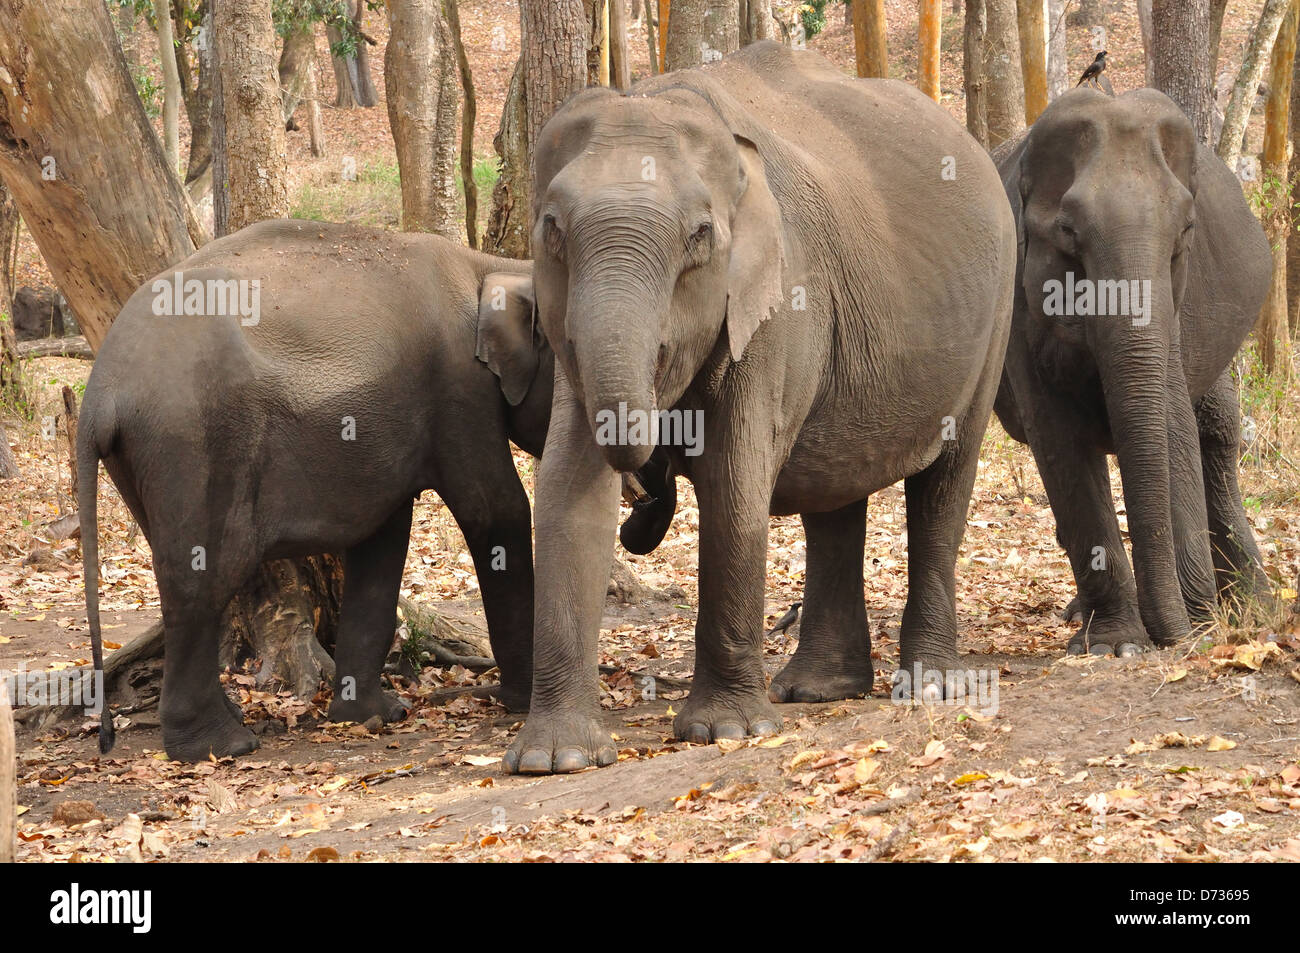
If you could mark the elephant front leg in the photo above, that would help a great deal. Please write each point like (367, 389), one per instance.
(372, 578)
(833, 660)
(729, 691)
(576, 512)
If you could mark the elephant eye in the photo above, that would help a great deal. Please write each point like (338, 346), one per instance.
(700, 243)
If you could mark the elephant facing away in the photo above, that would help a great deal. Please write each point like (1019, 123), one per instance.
(1141, 270)
(375, 366)
(818, 270)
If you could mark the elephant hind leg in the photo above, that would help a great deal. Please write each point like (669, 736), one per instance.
(833, 660)
(1238, 567)
(372, 577)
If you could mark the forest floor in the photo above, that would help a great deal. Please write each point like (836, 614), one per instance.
(1189, 754)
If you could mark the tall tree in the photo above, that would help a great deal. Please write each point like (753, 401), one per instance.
(11, 381)
(973, 79)
(420, 84)
(1005, 102)
(8, 779)
(297, 71)
(171, 84)
(468, 114)
(1181, 50)
(351, 60)
(929, 29)
(1273, 332)
(254, 125)
(871, 52)
(1253, 65)
(1217, 9)
(1033, 56)
(196, 85)
(1293, 176)
(555, 36)
(506, 233)
(756, 21)
(620, 66)
(700, 31)
(105, 219)
(1058, 66)
(1147, 27)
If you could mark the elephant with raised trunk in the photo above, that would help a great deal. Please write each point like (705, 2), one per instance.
(817, 269)
(370, 366)
(1141, 270)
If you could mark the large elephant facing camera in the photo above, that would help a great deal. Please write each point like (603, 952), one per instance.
(1141, 271)
(818, 270)
(351, 369)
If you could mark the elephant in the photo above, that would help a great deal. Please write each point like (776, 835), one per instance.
(1140, 271)
(815, 270)
(288, 390)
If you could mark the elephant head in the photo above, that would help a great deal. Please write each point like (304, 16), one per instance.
(1107, 188)
(654, 231)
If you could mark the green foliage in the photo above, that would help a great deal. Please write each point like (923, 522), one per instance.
(150, 93)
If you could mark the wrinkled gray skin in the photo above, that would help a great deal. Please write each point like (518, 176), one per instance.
(1118, 189)
(676, 231)
(231, 438)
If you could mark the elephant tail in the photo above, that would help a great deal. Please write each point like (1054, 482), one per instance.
(88, 457)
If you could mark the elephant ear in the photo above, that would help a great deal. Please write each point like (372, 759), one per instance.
(757, 253)
(507, 333)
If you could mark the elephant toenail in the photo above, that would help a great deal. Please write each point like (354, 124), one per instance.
(568, 760)
(1128, 649)
(1074, 649)
(606, 756)
(511, 762)
(1099, 649)
(697, 734)
(762, 728)
(535, 761)
(728, 731)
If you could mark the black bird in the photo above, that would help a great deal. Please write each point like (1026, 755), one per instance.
(787, 620)
(1095, 69)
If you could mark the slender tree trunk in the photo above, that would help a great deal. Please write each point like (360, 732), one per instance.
(651, 37)
(1217, 10)
(220, 155)
(977, 123)
(1181, 51)
(104, 219)
(701, 31)
(295, 65)
(1253, 66)
(1272, 332)
(367, 94)
(620, 67)
(196, 90)
(756, 21)
(1147, 28)
(1005, 103)
(468, 116)
(1033, 56)
(665, 14)
(1058, 66)
(171, 85)
(1293, 177)
(345, 72)
(311, 94)
(929, 22)
(1087, 13)
(507, 226)
(869, 45)
(254, 127)
(8, 770)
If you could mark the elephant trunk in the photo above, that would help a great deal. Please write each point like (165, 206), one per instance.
(1133, 351)
(615, 339)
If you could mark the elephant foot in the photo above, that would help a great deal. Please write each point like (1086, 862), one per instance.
(559, 743)
(514, 699)
(1123, 637)
(366, 706)
(198, 739)
(717, 715)
(943, 679)
(809, 679)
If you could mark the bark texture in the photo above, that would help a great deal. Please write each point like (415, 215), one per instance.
(1005, 102)
(1181, 51)
(870, 49)
(702, 31)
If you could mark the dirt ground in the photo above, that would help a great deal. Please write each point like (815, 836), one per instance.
(1190, 754)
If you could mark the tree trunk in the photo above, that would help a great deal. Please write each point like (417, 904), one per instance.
(315, 125)
(929, 23)
(1147, 27)
(196, 90)
(1005, 103)
(651, 38)
(1272, 332)
(254, 129)
(620, 66)
(171, 85)
(421, 90)
(1058, 66)
(1217, 10)
(1087, 13)
(1253, 65)
(555, 38)
(105, 219)
(756, 21)
(702, 31)
(345, 72)
(977, 123)
(220, 155)
(367, 94)
(1033, 56)
(352, 81)
(294, 67)
(665, 14)
(1181, 51)
(870, 50)
(507, 227)
(1293, 176)
(8, 772)
(468, 116)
